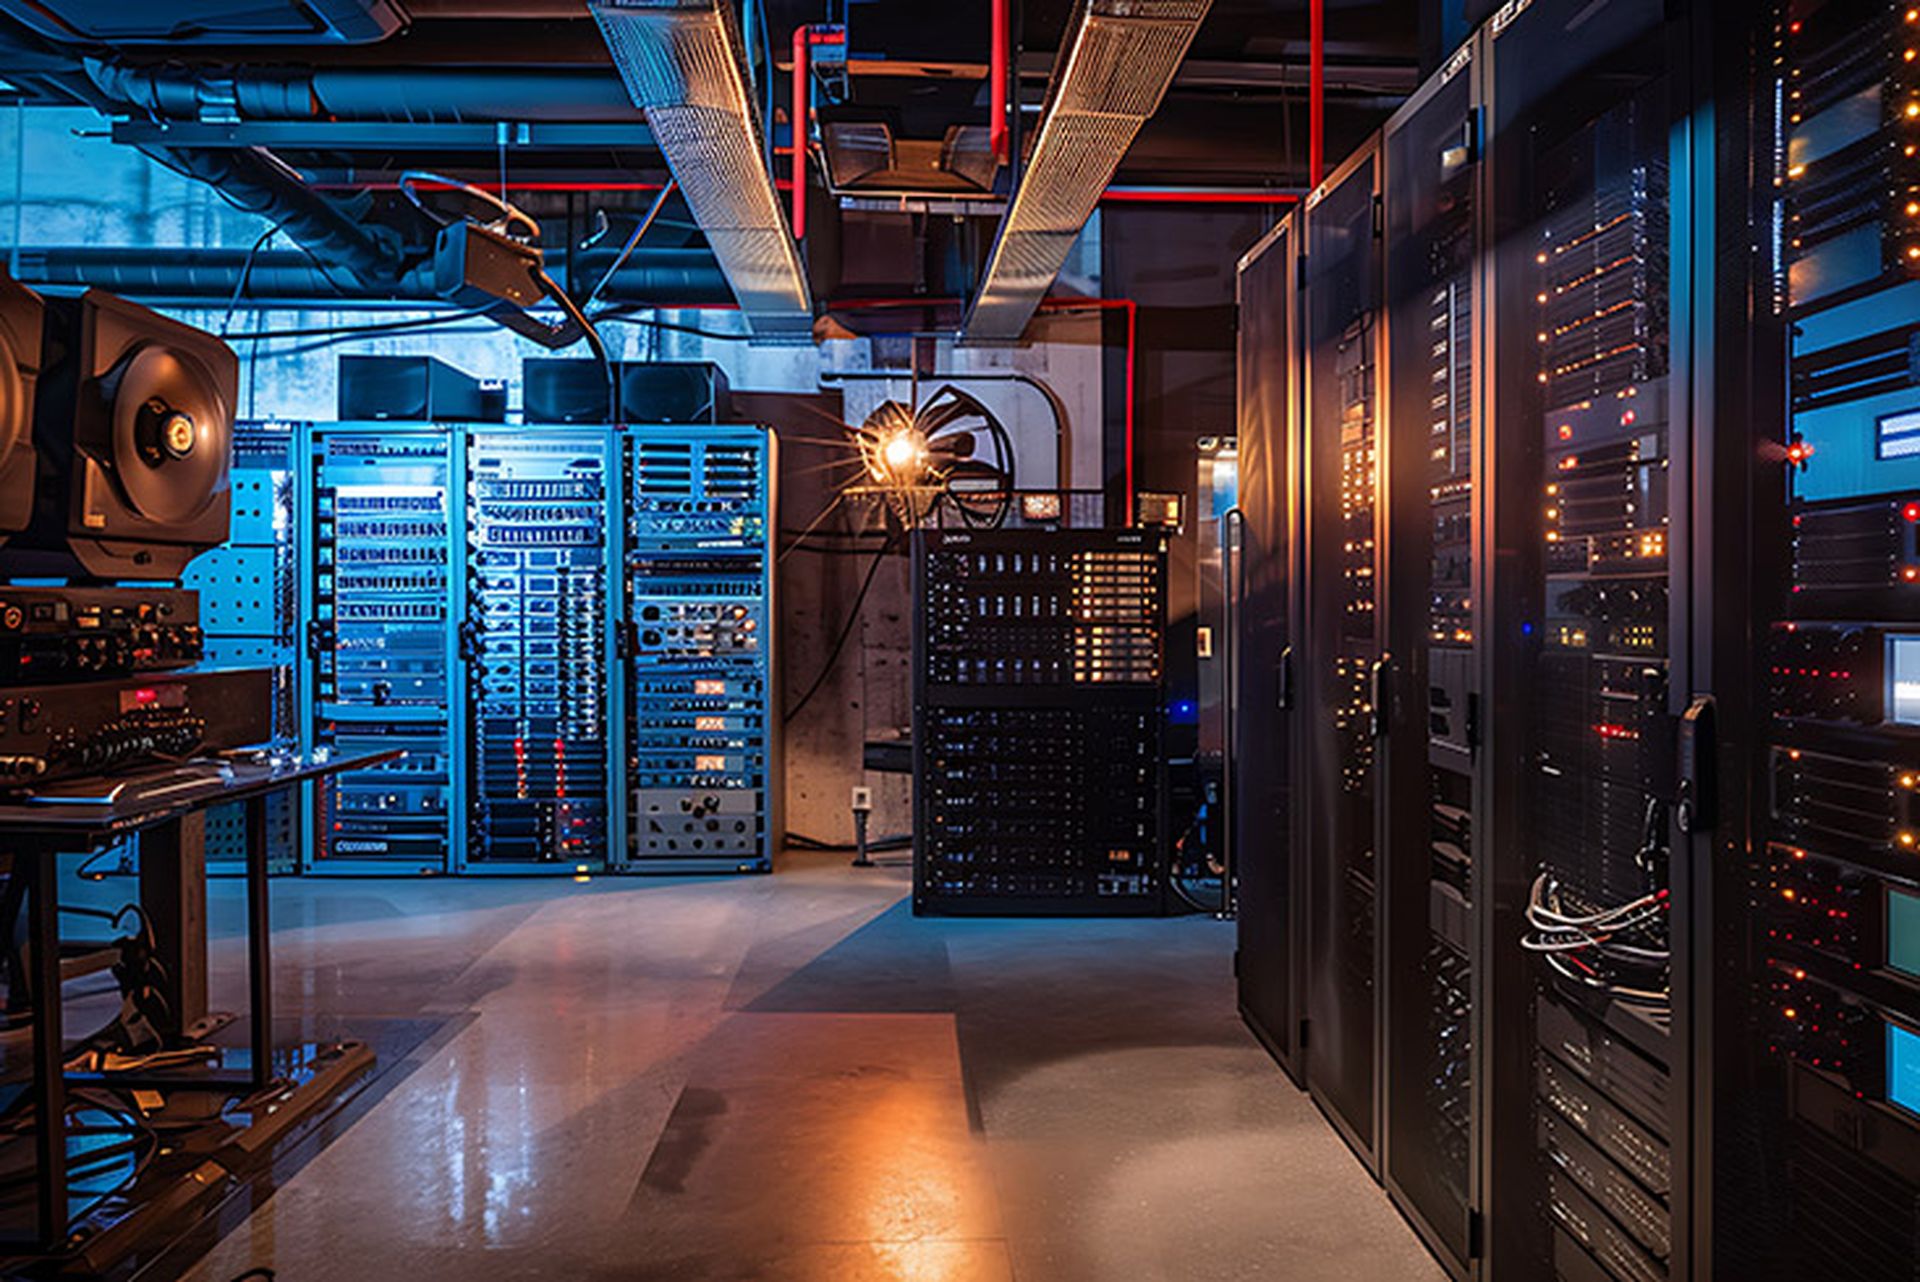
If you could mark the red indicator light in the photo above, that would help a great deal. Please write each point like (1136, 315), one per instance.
(1911, 511)
(1626, 419)
(145, 695)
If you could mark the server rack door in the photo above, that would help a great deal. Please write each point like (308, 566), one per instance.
(380, 658)
(1429, 172)
(1262, 756)
(1346, 664)
(1589, 624)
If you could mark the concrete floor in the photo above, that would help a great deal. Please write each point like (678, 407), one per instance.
(789, 1077)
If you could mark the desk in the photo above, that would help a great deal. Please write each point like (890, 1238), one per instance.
(85, 815)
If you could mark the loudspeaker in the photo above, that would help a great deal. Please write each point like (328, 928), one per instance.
(562, 390)
(408, 389)
(673, 392)
(22, 316)
(133, 425)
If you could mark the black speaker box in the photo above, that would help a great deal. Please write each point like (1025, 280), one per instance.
(409, 389)
(133, 426)
(563, 390)
(673, 392)
(575, 391)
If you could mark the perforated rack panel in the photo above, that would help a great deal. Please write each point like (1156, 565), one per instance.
(701, 728)
(249, 609)
(1039, 770)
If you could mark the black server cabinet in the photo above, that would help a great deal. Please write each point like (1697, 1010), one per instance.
(1039, 722)
(1344, 677)
(1430, 171)
(1830, 1119)
(1591, 480)
(1262, 758)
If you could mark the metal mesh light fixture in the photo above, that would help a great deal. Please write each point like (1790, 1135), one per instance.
(683, 65)
(1113, 70)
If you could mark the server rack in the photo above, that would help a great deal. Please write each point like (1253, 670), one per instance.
(249, 610)
(1430, 919)
(538, 635)
(1262, 794)
(1828, 1115)
(570, 631)
(701, 739)
(1563, 429)
(1345, 676)
(382, 667)
(1593, 671)
(1039, 722)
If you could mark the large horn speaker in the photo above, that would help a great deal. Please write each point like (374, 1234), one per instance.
(134, 429)
(20, 327)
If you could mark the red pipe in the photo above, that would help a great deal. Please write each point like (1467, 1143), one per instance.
(804, 38)
(797, 128)
(997, 81)
(1316, 90)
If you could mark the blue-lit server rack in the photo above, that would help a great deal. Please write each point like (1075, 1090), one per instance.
(381, 647)
(538, 635)
(567, 629)
(250, 610)
(702, 734)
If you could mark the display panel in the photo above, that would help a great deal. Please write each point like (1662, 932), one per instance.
(1903, 931)
(1903, 1068)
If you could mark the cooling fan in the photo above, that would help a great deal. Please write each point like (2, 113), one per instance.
(950, 449)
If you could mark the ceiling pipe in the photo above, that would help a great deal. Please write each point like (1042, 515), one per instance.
(419, 95)
(997, 79)
(649, 277)
(799, 129)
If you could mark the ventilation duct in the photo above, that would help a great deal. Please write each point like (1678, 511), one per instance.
(1113, 70)
(682, 63)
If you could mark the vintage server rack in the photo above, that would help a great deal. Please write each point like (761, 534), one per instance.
(702, 735)
(1039, 722)
(569, 629)
(1518, 434)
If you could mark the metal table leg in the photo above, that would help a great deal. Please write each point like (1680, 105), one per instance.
(259, 941)
(49, 1047)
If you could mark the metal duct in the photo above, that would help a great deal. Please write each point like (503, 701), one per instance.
(423, 95)
(650, 277)
(256, 181)
(1115, 67)
(682, 64)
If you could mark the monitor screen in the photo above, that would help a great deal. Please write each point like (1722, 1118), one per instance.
(1903, 679)
(1903, 1068)
(1903, 932)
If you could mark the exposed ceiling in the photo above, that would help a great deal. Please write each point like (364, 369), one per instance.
(282, 102)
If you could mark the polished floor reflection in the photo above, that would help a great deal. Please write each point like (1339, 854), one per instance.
(789, 1077)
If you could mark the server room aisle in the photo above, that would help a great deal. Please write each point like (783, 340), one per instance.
(788, 1078)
